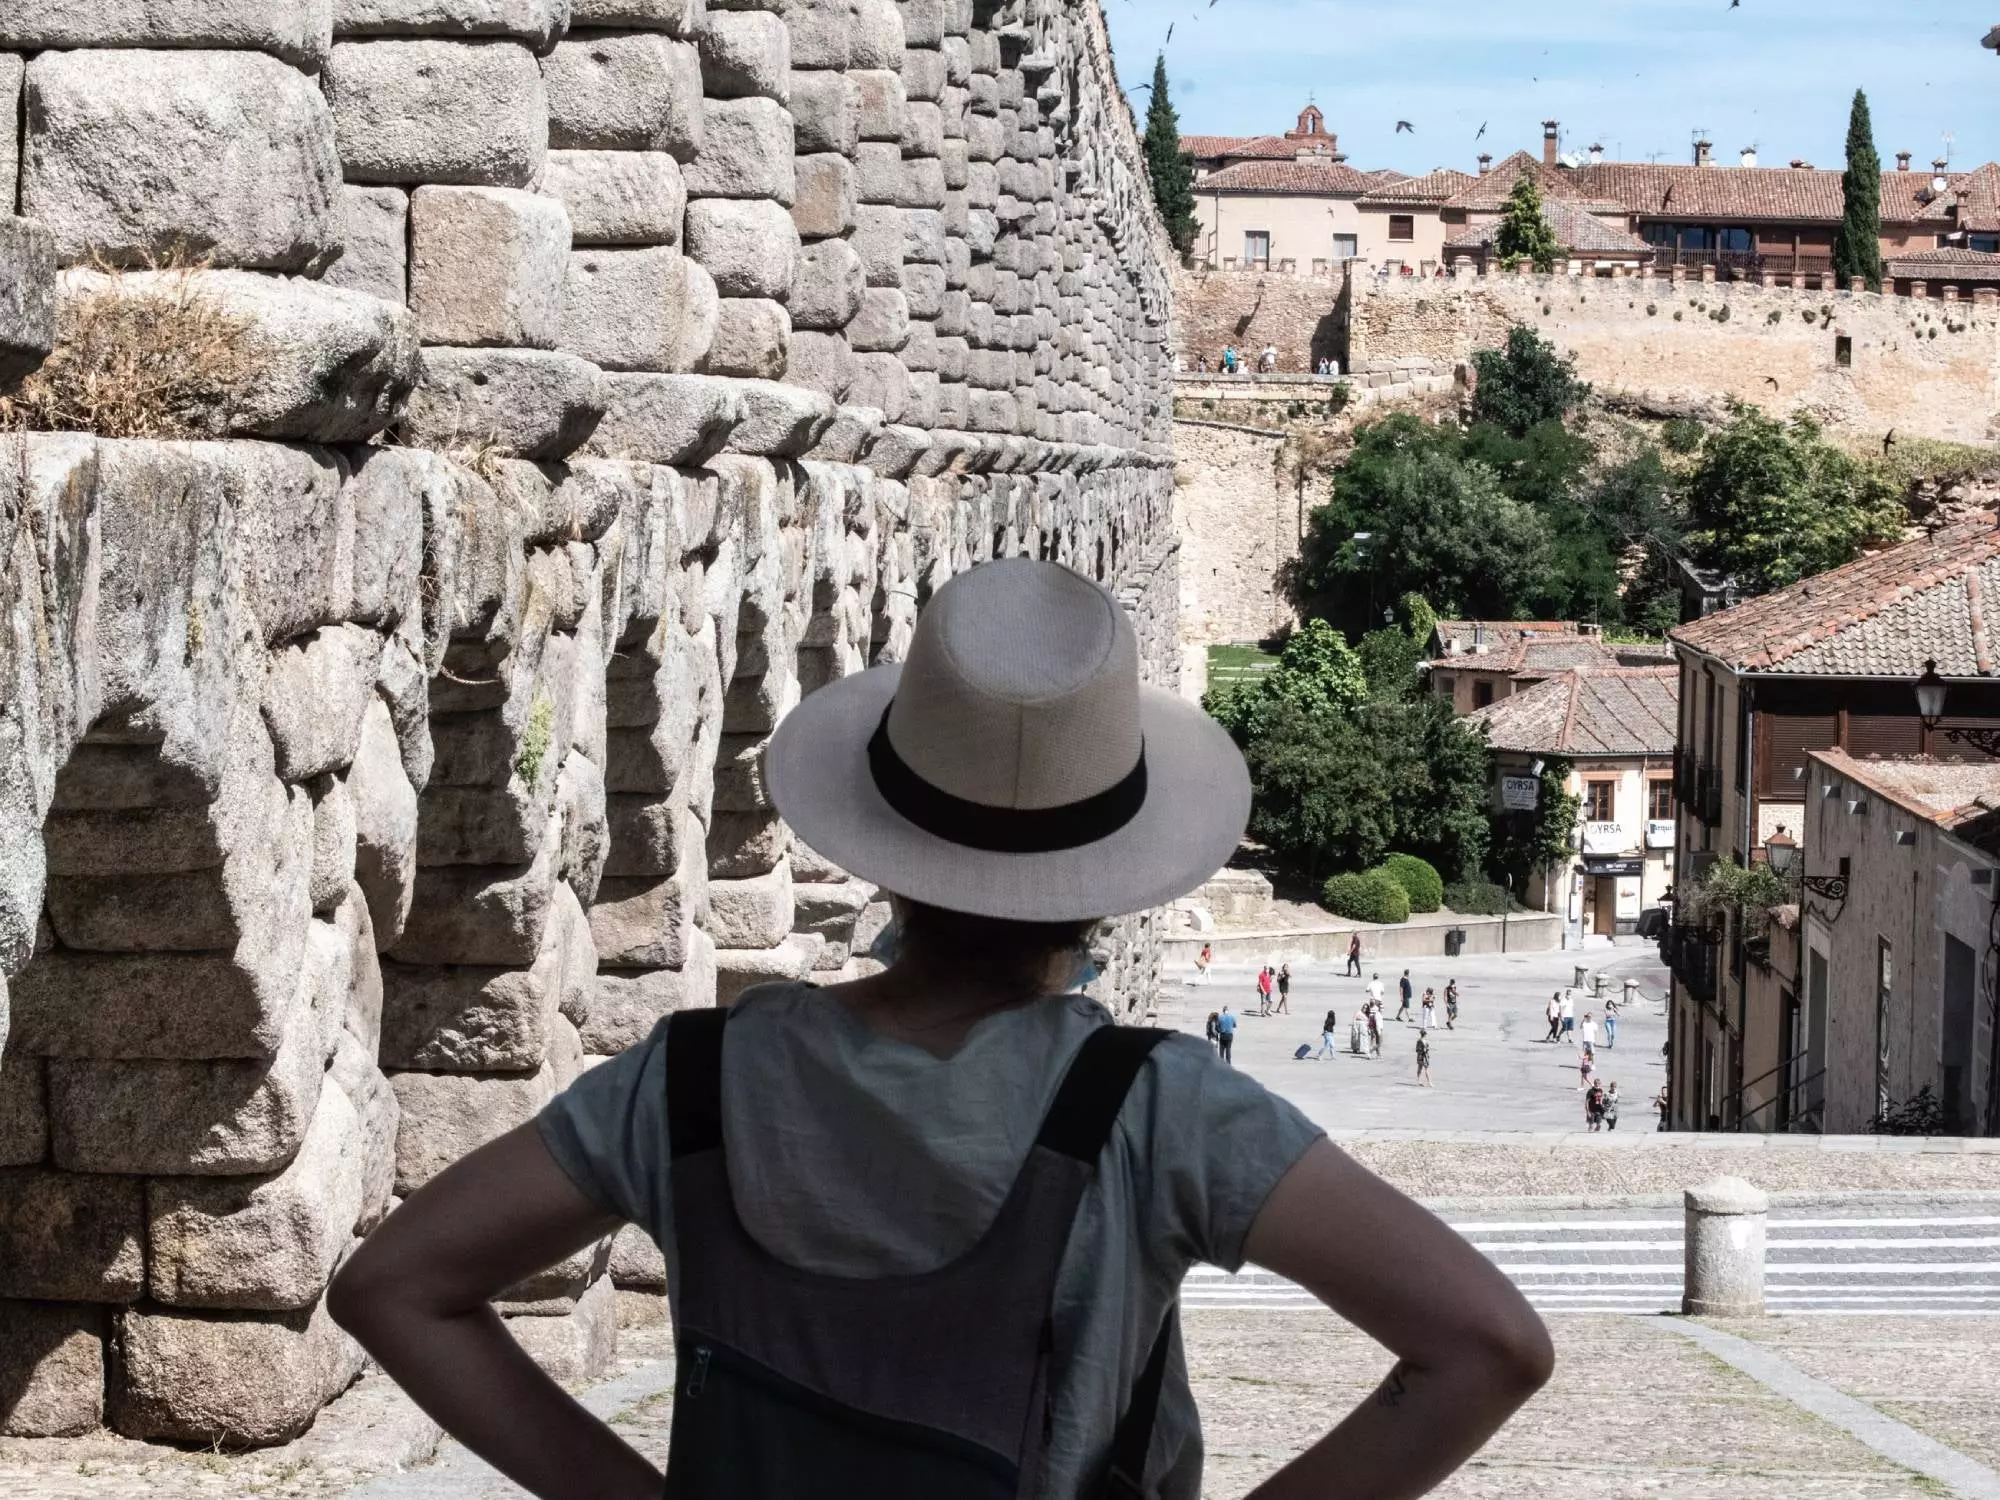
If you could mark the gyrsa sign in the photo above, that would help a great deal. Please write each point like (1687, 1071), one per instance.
(1520, 793)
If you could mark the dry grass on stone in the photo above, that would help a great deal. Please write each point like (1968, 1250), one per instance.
(166, 360)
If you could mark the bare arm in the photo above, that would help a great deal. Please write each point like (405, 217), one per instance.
(1469, 1350)
(417, 1296)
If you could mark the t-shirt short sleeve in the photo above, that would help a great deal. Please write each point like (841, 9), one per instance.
(1220, 1142)
(607, 1131)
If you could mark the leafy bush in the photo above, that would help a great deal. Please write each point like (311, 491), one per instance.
(1367, 896)
(1476, 898)
(1681, 435)
(1418, 878)
(1527, 383)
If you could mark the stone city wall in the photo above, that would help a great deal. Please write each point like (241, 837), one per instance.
(608, 374)
(1239, 506)
(1857, 361)
(1250, 309)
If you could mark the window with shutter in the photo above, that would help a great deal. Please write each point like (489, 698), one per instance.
(1884, 735)
(1782, 743)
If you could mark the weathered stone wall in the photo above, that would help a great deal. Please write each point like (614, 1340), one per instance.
(1855, 360)
(1239, 504)
(1250, 309)
(625, 371)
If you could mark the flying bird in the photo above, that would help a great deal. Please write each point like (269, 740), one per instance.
(1482, 131)
(1170, 32)
(1402, 125)
(1771, 381)
(1888, 442)
(1736, 4)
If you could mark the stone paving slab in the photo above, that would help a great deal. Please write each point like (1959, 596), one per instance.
(1635, 1409)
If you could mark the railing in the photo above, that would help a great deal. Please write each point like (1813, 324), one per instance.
(1695, 961)
(1792, 1116)
(1740, 265)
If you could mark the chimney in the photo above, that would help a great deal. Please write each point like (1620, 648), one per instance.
(1749, 156)
(1551, 141)
(1485, 162)
(1704, 151)
(1940, 184)
(1902, 161)
(1597, 155)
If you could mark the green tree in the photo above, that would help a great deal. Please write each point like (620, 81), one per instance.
(1318, 674)
(1409, 513)
(1524, 232)
(1857, 249)
(1524, 842)
(1771, 502)
(1527, 383)
(1171, 172)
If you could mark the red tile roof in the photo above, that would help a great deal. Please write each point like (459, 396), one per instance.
(1607, 711)
(1491, 191)
(1978, 195)
(1750, 193)
(1432, 187)
(1275, 147)
(1948, 793)
(1313, 178)
(1574, 230)
(1953, 263)
(1882, 616)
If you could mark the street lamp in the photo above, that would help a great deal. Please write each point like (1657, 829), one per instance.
(1782, 850)
(1930, 701)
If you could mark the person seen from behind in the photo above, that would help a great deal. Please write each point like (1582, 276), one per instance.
(1211, 1031)
(1451, 1005)
(926, 1230)
(1406, 991)
(1225, 1034)
(1284, 990)
(1354, 956)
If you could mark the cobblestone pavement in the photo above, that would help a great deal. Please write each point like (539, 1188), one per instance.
(1636, 1409)
(1491, 1071)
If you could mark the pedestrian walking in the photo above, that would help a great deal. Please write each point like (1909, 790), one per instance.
(1037, 1175)
(1357, 1033)
(1406, 990)
(1212, 1030)
(1611, 1106)
(1328, 1029)
(1225, 1034)
(1610, 1022)
(1354, 956)
(1586, 1068)
(1284, 989)
(1555, 1015)
(1587, 1032)
(1373, 1011)
(1451, 1005)
(1375, 991)
(1423, 1060)
(1593, 1108)
(1201, 962)
(1427, 1013)
(1264, 991)
(1661, 1103)
(1569, 1013)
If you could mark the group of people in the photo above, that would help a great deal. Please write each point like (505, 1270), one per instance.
(1230, 362)
(1600, 1102)
(1274, 998)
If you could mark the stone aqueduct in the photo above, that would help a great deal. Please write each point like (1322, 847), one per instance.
(625, 371)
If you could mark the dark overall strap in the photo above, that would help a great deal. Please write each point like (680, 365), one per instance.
(694, 1081)
(1079, 1125)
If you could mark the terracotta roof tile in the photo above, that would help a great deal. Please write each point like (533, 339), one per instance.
(1574, 230)
(1489, 193)
(1978, 195)
(1952, 262)
(1275, 146)
(1813, 194)
(1320, 178)
(1881, 616)
(1610, 711)
(1432, 187)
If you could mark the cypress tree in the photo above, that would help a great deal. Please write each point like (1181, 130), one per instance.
(1857, 252)
(1171, 172)
(1523, 232)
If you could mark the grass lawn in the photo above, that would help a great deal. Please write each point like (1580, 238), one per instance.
(1230, 665)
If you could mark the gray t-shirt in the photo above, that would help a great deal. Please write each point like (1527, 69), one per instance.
(854, 1154)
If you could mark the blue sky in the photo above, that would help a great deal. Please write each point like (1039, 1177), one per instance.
(1640, 75)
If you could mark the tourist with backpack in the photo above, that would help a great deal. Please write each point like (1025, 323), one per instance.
(926, 1231)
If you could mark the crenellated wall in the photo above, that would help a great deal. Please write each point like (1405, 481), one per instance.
(382, 749)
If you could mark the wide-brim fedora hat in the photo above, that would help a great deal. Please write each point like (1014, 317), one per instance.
(1013, 766)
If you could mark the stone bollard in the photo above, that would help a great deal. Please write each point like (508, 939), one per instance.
(1631, 996)
(1724, 1250)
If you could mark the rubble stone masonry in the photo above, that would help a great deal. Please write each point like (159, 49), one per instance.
(629, 370)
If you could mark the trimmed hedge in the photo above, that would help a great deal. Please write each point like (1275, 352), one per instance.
(1419, 877)
(1476, 898)
(1367, 896)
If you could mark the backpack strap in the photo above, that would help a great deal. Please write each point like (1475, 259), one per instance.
(694, 1081)
(1134, 1437)
(1093, 1091)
